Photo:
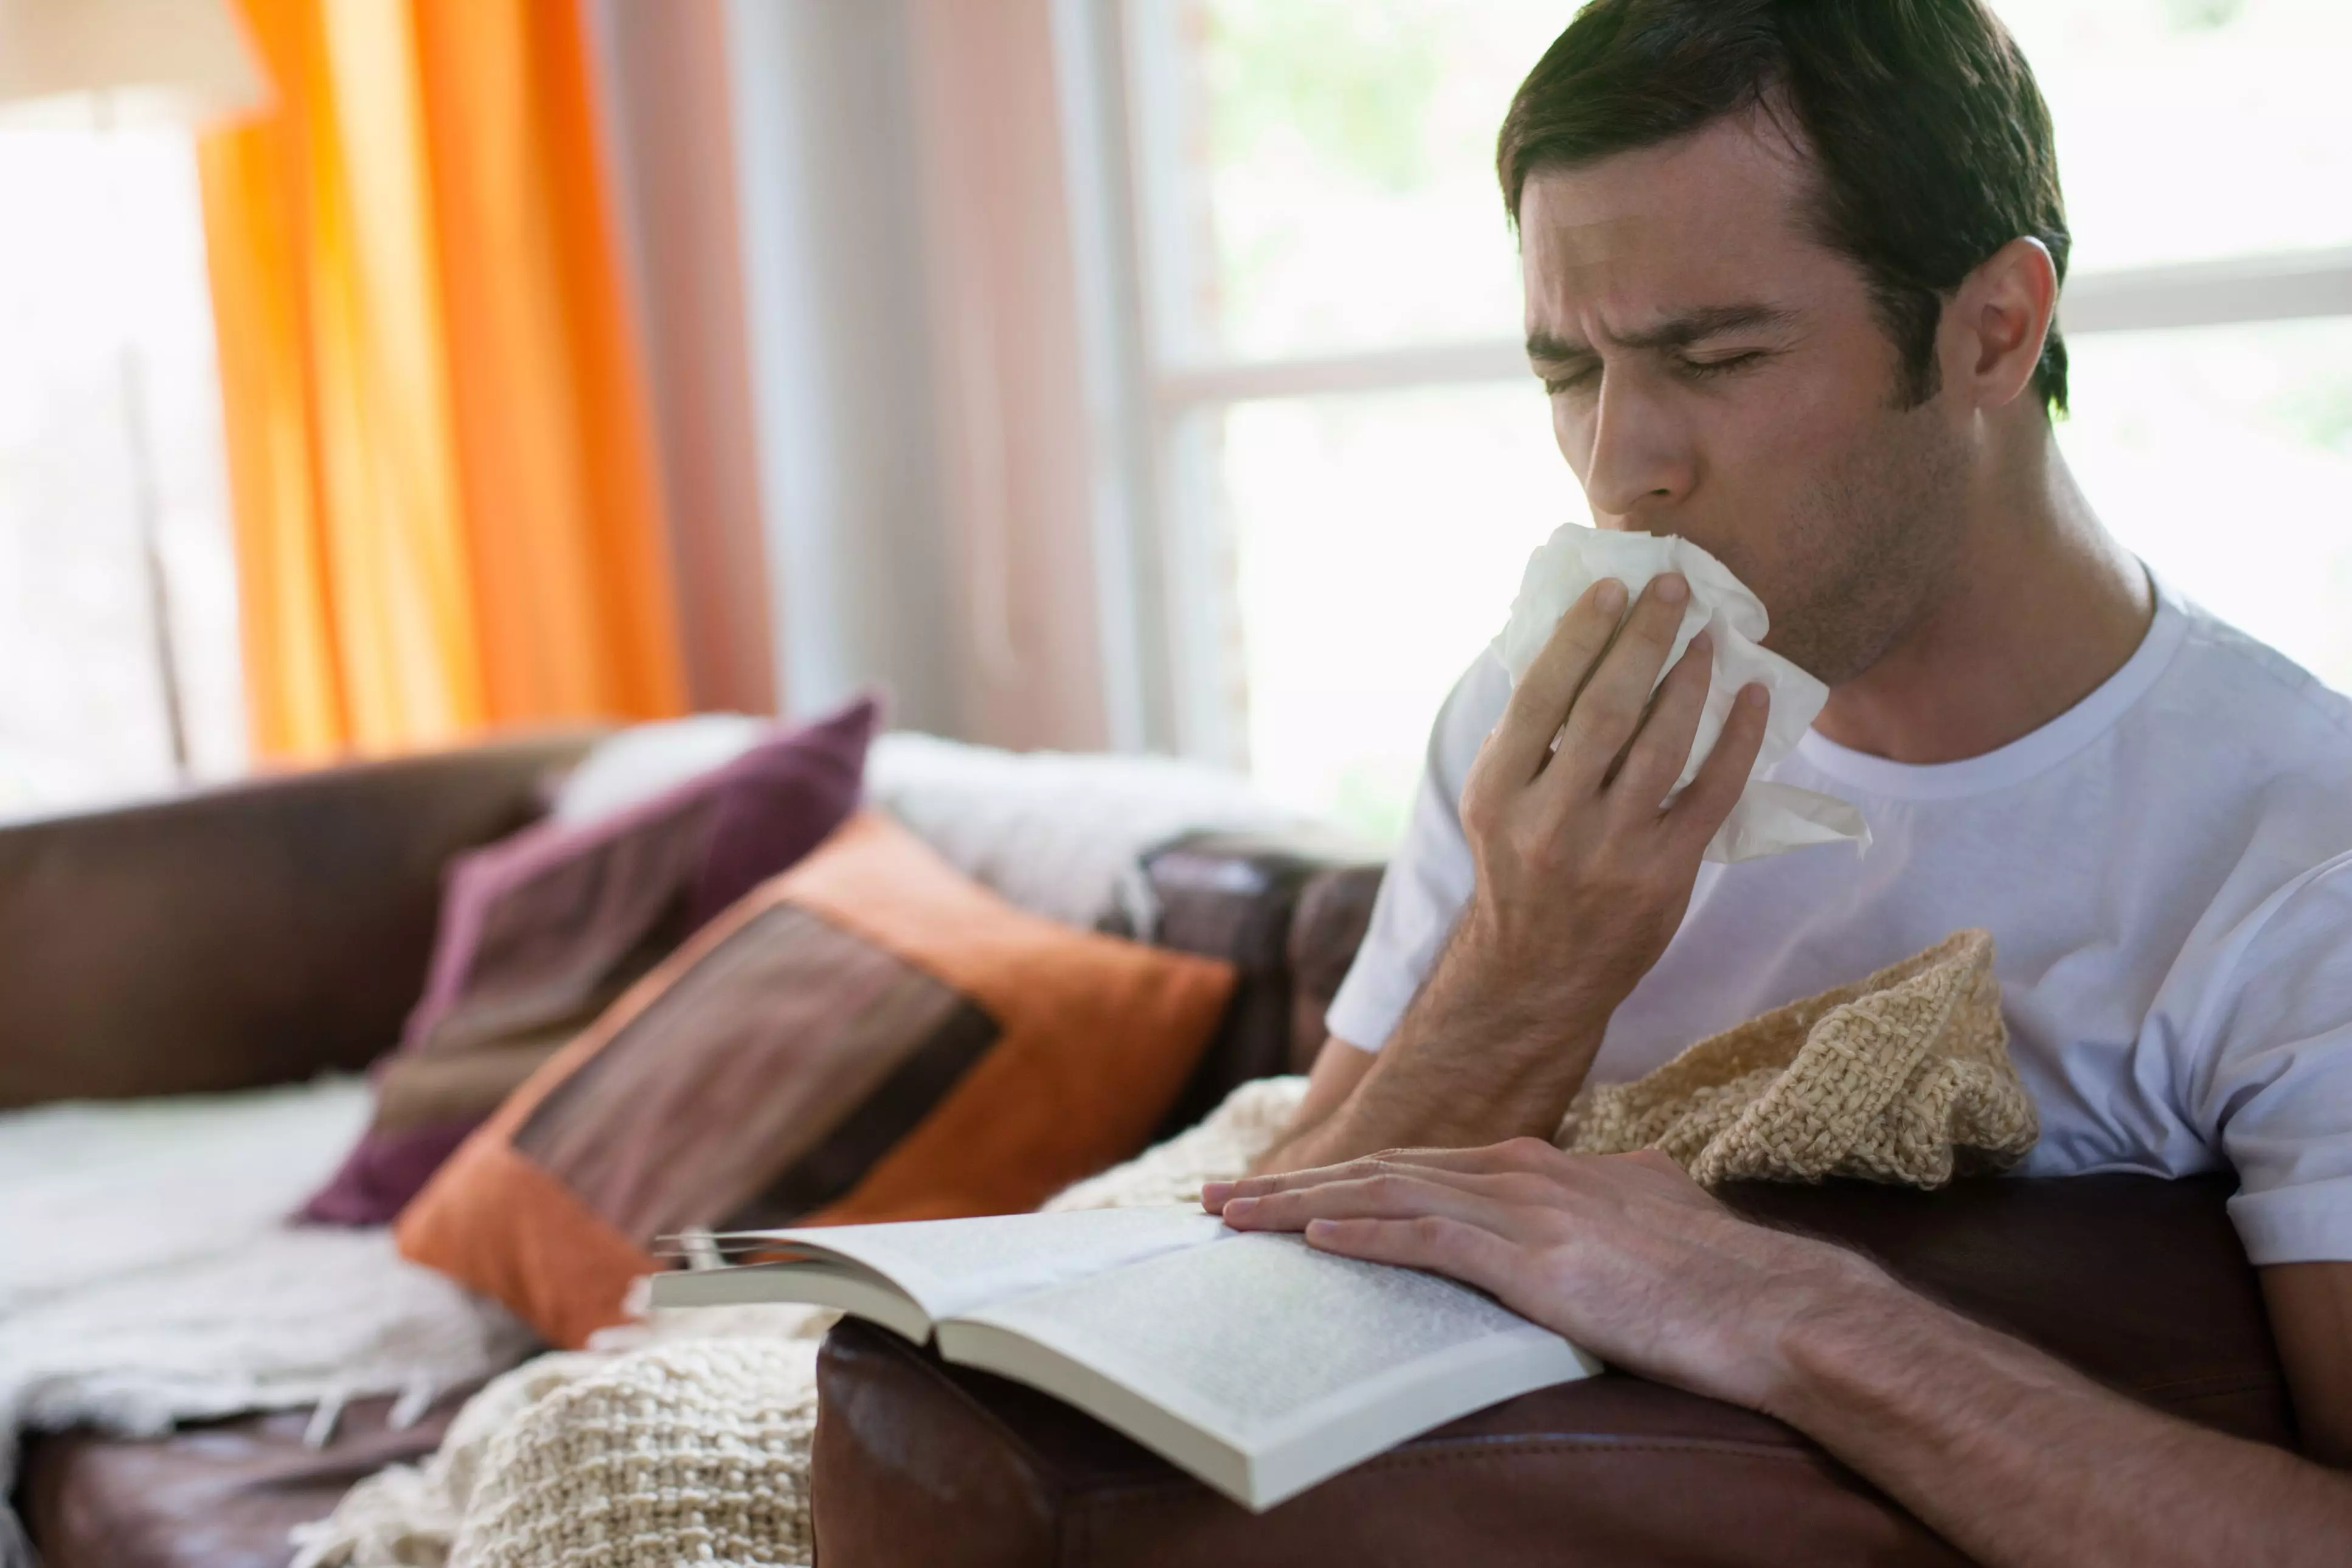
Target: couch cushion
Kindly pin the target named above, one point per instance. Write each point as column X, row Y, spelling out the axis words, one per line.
column 2138, row 1281
column 221, row 1495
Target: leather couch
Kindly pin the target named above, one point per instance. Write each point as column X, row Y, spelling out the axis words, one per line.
column 258, row 934
column 230, row 939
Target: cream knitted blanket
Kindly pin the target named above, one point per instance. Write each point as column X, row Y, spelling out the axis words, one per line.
column 687, row 1439
column 1901, row 1077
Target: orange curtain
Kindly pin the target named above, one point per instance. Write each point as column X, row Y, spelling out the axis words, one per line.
column 440, row 453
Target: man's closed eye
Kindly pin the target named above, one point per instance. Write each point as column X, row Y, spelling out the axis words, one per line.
column 1707, row 369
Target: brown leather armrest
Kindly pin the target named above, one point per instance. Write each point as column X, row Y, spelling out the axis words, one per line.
column 1335, row 911
column 2140, row 1282
column 242, row 936
column 1236, row 897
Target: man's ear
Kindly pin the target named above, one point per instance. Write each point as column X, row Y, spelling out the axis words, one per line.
column 1997, row 323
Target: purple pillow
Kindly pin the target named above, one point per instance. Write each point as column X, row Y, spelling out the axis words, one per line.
column 543, row 930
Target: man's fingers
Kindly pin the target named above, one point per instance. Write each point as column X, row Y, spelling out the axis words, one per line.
column 1701, row 809
column 1215, row 1196
column 1521, row 742
column 1464, row 1251
column 1491, row 1157
column 1655, row 759
column 1609, row 708
column 1481, row 1200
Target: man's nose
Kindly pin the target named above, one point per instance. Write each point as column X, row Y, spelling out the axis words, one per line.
column 1641, row 458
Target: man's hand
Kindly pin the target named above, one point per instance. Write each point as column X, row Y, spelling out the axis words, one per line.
column 2018, row 1460
column 1623, row 1254
column 1583, row 873
column 1583, row 870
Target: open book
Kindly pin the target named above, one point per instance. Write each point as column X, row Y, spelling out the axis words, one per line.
column 1256, row 1363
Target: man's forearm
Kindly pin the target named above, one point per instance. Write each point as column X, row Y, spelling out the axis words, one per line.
column 2020, row 1461
column 1468, row 1064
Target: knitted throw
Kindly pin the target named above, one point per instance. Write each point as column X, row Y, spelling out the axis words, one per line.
column 689, row 1452
column 1902, row 1077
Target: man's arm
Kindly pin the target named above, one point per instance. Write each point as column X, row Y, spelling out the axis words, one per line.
column 1582, row 874
column 2017, row 1459
column 2020, row 1461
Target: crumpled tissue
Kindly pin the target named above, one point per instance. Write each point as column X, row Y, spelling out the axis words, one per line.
column 1770, row 817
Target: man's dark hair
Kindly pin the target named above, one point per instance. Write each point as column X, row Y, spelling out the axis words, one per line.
column 1929, row 141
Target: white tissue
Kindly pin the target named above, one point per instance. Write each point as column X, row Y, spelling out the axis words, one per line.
column 1770, row 817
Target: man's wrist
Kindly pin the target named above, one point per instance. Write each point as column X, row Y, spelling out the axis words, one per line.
column 1483, row 1054
column 1825, row 1339
column 1508, row 1020
column 1544, row 993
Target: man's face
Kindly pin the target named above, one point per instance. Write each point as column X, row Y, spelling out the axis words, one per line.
column 1717, row 372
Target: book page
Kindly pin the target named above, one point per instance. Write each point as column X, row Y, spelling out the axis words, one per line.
column 951, row 1265
column 1300, row 1362
column 811, row 1281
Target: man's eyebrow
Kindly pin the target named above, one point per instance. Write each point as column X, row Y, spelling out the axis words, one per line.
column 1678, row 332
column 1545, row 349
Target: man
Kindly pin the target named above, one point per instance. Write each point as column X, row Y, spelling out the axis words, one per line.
column 1791, row 268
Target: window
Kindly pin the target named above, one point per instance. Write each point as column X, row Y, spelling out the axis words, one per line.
column 1334, row 441
column 108, row 323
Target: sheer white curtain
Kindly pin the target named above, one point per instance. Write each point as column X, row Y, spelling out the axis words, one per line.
column 918, row 409
column 1016, row 478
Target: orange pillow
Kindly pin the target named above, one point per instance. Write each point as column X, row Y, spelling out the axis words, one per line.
column 870, row 1036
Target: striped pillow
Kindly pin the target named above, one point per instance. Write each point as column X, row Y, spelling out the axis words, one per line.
column 870, row 1036
column 541, row 931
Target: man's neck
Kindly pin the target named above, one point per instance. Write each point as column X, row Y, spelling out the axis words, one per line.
column 2045, row 606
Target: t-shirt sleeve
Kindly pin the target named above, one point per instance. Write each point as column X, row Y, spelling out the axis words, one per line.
column 1430, row 878
column 2278, row 1102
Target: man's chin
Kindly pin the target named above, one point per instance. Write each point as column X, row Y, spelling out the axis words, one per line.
column 1832, row 646
column 1809, row 658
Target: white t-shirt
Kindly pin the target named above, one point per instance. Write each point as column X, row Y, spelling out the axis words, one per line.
column 2166, row 872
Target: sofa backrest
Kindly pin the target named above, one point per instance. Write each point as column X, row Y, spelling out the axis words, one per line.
column 280, row 927
column 243, row 936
